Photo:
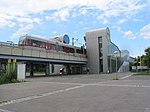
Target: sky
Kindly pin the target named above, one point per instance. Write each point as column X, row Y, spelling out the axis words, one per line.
column 128, row 20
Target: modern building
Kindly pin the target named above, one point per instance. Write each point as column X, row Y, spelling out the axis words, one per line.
column 100, row 55
column 103, row 55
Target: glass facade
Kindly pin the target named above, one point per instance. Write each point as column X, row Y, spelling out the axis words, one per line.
column 125, row 61
column 114, row 57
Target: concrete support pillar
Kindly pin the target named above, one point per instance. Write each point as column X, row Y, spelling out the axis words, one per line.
column 31, row 69
column 0, row 65
column 9, row 67
column 68, row 69
column 47, row 71
column 21, row 71
column 50, row 69
column 15, row 68
column 81, row 69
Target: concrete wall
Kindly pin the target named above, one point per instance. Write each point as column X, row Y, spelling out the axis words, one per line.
column 106, row 40
column 92, row 51
column 40, row 52
column 92, row 46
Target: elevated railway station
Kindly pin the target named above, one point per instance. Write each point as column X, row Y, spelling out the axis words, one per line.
column 53, row 56
column 99, row 55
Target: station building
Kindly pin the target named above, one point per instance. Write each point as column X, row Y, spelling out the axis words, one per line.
column 103, row 55
column 100, row 55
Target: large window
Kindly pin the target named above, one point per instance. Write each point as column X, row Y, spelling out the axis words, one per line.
column 100, row 46
column 101, row 65
column 114, row 57
column 100, row 42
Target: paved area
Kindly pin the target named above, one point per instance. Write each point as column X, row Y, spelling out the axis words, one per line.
column 78, row 93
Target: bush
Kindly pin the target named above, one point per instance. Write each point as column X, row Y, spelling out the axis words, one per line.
column 5, row 78
column 14, row 81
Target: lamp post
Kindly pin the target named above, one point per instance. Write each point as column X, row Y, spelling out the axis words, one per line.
column 115, row 53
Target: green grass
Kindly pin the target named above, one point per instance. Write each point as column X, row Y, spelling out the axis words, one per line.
column 3, row 102
column 142, row 74
column 116, row 79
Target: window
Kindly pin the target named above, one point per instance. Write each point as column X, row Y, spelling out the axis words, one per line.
column 101, row 65
column 100, row 42
column 100, row 46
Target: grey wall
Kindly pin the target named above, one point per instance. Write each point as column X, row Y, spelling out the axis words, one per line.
column 92, row 47
column 92, row 51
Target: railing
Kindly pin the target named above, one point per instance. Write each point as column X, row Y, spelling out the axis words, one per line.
column 14, row 49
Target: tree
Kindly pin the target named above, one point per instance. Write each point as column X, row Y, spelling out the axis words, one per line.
column 147, row 56
column 143, row 60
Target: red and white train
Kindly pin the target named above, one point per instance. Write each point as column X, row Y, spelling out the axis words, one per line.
column 57, row 44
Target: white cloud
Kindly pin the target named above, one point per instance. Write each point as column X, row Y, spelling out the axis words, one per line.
column 23, row 30
column 26, row 20
column 29, row 20
column 25, row 7
column 8, row 23
column 145, row 32
column 129, row 35
column 54, row 32
column 37, row 20
column 117, row 8
column 62, row 15
column 122, row 7
column 102, row 20
column 107, row 8
column 83, row 11
column 121, row 21
column 105, row 21
column 11, row 10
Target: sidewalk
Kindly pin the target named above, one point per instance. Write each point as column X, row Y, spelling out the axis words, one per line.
column 39, row 85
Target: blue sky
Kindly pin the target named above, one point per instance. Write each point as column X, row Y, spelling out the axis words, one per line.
column 128, row 20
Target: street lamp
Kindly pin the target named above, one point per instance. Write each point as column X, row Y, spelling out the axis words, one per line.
column 115, row 54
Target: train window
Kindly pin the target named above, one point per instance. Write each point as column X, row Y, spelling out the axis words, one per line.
column 84, row 51
column 29, row 42
column 66, row 49
column 22, row 40
column 25, row 42
column 43, row 44
column 78, row 51
column 71, row 50
column 60, row 48
column 53, row 47
column 48, row 46
column 36, row 43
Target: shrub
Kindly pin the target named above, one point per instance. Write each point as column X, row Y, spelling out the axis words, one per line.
column 5, row 78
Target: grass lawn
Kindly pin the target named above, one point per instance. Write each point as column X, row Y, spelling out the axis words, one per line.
column 142, row 74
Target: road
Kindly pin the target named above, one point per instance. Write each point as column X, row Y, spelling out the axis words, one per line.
column 78, row 93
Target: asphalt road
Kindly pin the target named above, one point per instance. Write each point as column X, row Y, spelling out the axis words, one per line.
column 78, row 93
